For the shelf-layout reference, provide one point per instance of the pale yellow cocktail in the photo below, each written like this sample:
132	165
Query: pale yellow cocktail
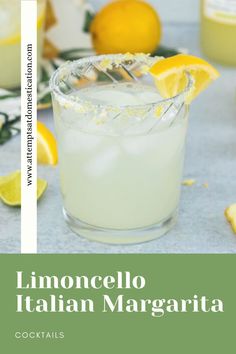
10	41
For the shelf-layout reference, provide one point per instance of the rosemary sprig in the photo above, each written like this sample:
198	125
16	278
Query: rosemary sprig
7	127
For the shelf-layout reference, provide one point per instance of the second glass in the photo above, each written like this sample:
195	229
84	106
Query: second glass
10	41
121	148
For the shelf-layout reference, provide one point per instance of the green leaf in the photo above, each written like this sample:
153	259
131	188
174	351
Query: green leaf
5	134
54	65
6	128
74	53
4	97
16	92
13	121
165	52
5	116
88	19
46	99
44	75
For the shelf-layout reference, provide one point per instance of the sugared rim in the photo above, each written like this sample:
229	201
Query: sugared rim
69	66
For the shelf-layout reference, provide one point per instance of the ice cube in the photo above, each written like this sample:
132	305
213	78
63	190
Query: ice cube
138	145
148	97
75	141
102	162
9	18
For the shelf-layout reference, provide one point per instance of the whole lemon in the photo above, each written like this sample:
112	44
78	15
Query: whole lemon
126	26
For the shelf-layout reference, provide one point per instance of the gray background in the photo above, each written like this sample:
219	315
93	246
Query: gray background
169	10
210	157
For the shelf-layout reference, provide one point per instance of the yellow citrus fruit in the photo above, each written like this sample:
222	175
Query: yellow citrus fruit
170	75
46	145
10	188
4	179
230	214
126	26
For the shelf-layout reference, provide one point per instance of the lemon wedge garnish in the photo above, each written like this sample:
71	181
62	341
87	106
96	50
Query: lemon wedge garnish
46	145
10	188
171	79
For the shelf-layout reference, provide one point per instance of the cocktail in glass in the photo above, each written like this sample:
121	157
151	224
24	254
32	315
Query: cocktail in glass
121	148
10	41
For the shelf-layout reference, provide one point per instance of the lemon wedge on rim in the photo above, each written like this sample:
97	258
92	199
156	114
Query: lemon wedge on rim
46	145
10	188
171	79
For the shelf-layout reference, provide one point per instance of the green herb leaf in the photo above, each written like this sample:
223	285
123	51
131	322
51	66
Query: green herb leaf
88	19
46	99
44	75
5	134
165	52
4	97
74	53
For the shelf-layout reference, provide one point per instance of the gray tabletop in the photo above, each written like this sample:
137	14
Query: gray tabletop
210	158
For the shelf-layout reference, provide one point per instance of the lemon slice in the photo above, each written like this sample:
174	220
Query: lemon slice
10	188
46	145
171	79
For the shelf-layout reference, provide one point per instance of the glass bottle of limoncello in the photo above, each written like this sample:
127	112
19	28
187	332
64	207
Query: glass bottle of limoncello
218	30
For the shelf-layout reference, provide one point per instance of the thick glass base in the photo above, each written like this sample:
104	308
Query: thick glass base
113	236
